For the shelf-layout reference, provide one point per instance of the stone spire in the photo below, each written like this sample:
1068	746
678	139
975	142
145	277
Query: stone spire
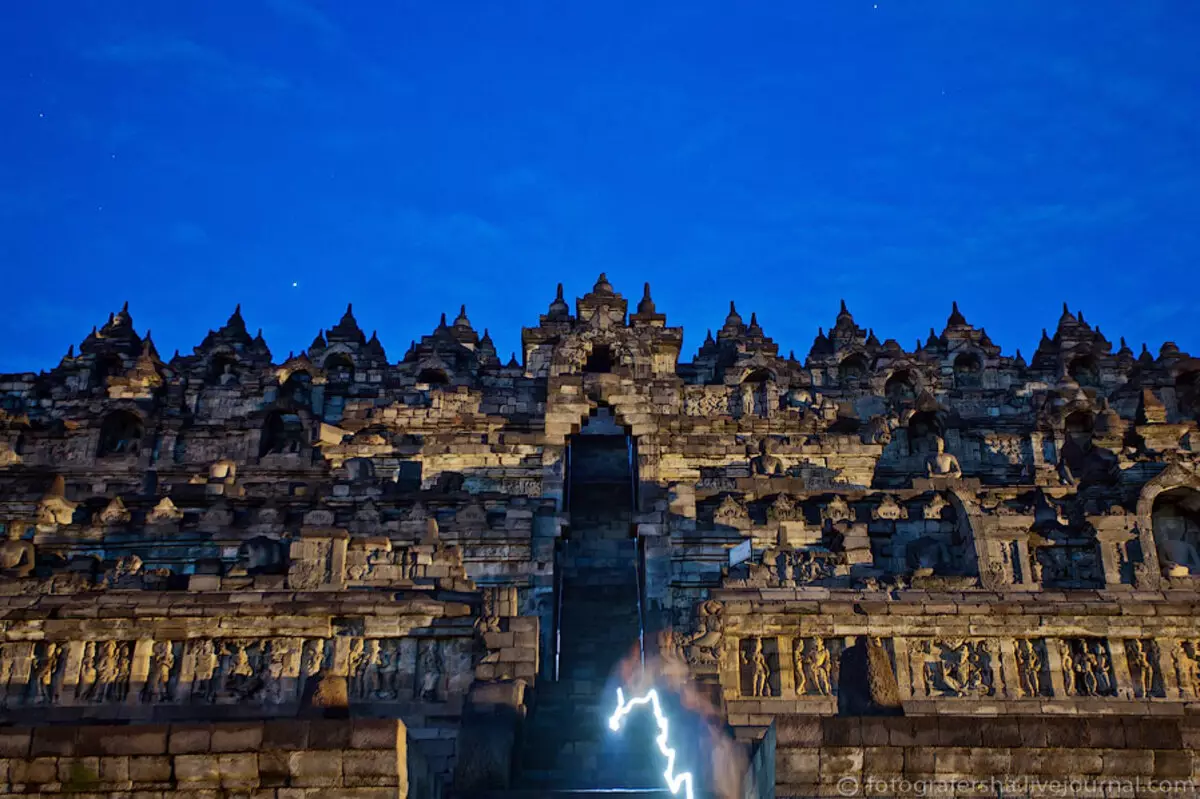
347	331
318	343
646	306
602	285
558	307
956	318
461	321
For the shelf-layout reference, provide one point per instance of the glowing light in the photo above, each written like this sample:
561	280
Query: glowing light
674	781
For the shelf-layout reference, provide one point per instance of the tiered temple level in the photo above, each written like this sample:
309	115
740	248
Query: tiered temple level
942	532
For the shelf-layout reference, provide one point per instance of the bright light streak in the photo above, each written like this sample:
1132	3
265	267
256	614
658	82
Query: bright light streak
674	781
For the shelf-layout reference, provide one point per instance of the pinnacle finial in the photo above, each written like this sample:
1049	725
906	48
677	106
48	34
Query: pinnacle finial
754	319
646	291
442	322
732	307
125	307
349	309
237	309
843	308
559	296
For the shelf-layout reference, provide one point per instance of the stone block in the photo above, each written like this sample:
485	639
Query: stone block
370	768
838	760
236	737
116	770
329	734
186	739
197	772
882	760
797	764
149	768
39	771
238	771
147	739
15	742
79	773
286	735
315	769
1172	764
273	768
53	741
377	734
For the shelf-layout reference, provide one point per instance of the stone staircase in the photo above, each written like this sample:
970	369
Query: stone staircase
568	745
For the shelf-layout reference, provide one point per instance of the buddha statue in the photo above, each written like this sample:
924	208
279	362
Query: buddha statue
17	556
1180	558
941	463
765	463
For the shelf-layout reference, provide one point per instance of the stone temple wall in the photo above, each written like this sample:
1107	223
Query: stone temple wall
937	532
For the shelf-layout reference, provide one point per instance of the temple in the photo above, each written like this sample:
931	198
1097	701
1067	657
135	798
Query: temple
339	574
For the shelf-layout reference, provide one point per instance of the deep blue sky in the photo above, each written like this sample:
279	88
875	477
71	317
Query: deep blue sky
411	156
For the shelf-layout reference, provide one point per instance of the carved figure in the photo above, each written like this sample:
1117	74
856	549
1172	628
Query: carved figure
798	666
207	664
1068	668
766	463
705	645
47	670
17	556
87	673
431	672
1029	667
158	681
1139	656
820	665
280	654
761	677
941	463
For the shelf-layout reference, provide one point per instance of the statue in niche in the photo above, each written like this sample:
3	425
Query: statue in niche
112	672
1029	668
705	645
941	463
929	555
878	430
431	672
311	660
366	666
1181	558
964	667
818	661
45	682
205	681
164	512
1068	667
125	573
281	652
1187	666
87	673
17	556
748	396
761	676
263	555
240	675
798	667
158	681
766	463
1139	658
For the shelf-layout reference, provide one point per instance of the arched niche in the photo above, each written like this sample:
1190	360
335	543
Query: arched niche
223	370
433	377
852	370
104	367
1084	371
282	433
923	428
339	368
1078	430
297	388
968	370
1187	393
1175	520
121	433
944	544
600	360
900	388
360	470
